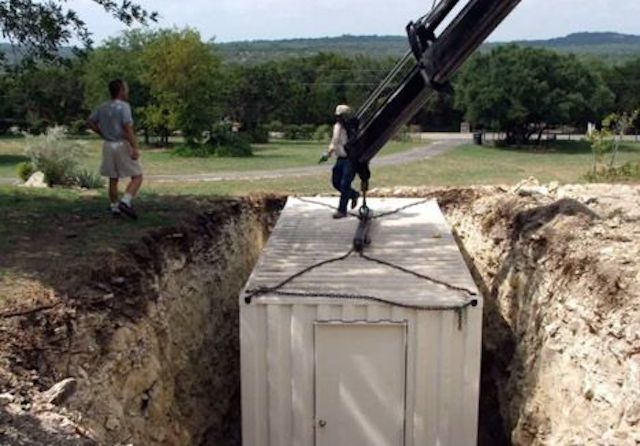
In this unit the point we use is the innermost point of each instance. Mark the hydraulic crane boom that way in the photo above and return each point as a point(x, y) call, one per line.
point(427, 68)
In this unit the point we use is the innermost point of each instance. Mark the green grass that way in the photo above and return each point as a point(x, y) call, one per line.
point(42, 232)
point(565, 162)
point(276, 155)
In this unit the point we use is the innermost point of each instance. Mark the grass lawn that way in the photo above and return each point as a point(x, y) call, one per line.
point(275, 155)
point(565, 162)
point(43, 231)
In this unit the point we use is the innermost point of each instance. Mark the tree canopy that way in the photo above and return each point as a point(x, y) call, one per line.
point(41, 28)
point(523, 91)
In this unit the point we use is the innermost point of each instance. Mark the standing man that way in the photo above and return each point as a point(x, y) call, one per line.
point(343, 171)
point(120, 153)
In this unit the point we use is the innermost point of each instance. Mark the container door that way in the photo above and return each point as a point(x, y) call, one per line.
point(360, 375)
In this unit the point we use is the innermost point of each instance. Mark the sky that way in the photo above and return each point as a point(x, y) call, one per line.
point(232, 20)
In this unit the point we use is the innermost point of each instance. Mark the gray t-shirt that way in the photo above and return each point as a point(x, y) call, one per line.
point(111, 117)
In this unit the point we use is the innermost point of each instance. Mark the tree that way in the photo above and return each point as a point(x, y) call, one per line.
point(46, 96)
point(41, 28)
point(624, 81)
point(120, 57)
point(523, 91)
point(185, 80)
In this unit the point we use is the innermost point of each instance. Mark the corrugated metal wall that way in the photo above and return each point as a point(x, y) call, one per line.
point(443, 371)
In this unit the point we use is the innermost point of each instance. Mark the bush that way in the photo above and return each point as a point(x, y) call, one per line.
point(628, 171)
point(222, 142)
point(323, 133)
point(25, 170)
point(88, 179)
point(276, 126)
point(53, 154)
point(259, 135)
point(78, 127)
point(299, 132)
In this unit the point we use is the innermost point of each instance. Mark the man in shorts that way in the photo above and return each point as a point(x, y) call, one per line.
point(120, 154)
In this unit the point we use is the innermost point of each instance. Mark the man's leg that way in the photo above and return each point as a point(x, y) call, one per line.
point(347, 192)
point(134, 186)
point(113, 195)
point(125, 204)
point(336, 176)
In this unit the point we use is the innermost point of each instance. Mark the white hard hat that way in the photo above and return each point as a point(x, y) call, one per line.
point(343, 110)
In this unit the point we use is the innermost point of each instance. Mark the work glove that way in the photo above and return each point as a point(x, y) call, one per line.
point(324, 158)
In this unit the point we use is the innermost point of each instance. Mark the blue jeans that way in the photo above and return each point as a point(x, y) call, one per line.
point(343, 175)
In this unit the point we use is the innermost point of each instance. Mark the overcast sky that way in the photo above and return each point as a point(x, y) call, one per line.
point(229, 20)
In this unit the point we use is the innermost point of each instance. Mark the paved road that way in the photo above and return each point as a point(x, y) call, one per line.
point(408, 156)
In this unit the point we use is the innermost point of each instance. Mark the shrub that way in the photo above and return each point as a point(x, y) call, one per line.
point(88, 179)
point(259, 135)
point(222, 142)
point(25, 170)
point(55, 155)
point(78, 127)
point(323, 133)
point(299, 132)
point(628, 171)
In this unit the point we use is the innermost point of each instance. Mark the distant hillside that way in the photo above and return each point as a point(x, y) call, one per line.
point(611, 47)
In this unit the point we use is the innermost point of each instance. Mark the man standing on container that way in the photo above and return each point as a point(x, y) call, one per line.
point(113, 121)
point(343, 171)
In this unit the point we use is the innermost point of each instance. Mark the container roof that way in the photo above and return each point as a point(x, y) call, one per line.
point(416, 238)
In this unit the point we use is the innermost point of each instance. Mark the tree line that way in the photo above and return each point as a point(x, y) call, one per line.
point(180, 83)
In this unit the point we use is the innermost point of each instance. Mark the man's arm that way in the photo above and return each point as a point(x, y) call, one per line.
point(130, 136)
point(335, 139)
point(92, 123)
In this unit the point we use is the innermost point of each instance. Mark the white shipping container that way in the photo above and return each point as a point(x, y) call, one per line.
point(324, 363)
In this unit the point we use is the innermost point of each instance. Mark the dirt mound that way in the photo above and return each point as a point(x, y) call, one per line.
point(560, 272)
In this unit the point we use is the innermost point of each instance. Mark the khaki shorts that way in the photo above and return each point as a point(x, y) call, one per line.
point(117, 162)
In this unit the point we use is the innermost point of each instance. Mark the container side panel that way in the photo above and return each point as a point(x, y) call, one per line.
point(302, 318)
point(458, 425)
point(445, 376)
point(329, 312)
point(378, 313)
point(428, 328)
point(473, 356)
point(279, 374)
point(253, 335)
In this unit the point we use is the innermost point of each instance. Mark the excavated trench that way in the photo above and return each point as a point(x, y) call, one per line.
point(153, 342)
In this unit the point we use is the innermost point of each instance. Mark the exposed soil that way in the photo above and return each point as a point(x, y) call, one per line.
point(150, 335)
point(559, 270)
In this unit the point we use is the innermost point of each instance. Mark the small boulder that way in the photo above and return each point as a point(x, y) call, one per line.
point(36, 180)
point(60, 392)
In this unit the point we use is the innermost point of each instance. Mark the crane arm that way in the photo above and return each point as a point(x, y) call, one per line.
point(426, 68)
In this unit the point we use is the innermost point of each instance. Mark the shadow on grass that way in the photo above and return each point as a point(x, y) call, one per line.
point(44, 233)
point(9, 160)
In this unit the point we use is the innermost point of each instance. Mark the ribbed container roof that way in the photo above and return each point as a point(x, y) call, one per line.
point(417, 238)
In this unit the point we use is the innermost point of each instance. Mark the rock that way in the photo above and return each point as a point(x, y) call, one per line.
point(6, 398)
point(60, 392)
point(37, 181)
point(112, 423)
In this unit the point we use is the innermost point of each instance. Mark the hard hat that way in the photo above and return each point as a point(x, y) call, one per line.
point(343, 110)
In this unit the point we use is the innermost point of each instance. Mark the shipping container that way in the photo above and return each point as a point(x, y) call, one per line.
point(375, 350)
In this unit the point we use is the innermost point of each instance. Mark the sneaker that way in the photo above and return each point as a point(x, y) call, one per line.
point(339, 214)
point(127, 210)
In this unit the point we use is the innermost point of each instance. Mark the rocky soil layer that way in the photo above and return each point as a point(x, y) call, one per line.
point(560, 270)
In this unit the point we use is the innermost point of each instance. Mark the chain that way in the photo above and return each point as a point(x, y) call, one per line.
point(472, 301)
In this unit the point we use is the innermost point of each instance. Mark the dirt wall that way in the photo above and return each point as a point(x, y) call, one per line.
point(151, 338)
